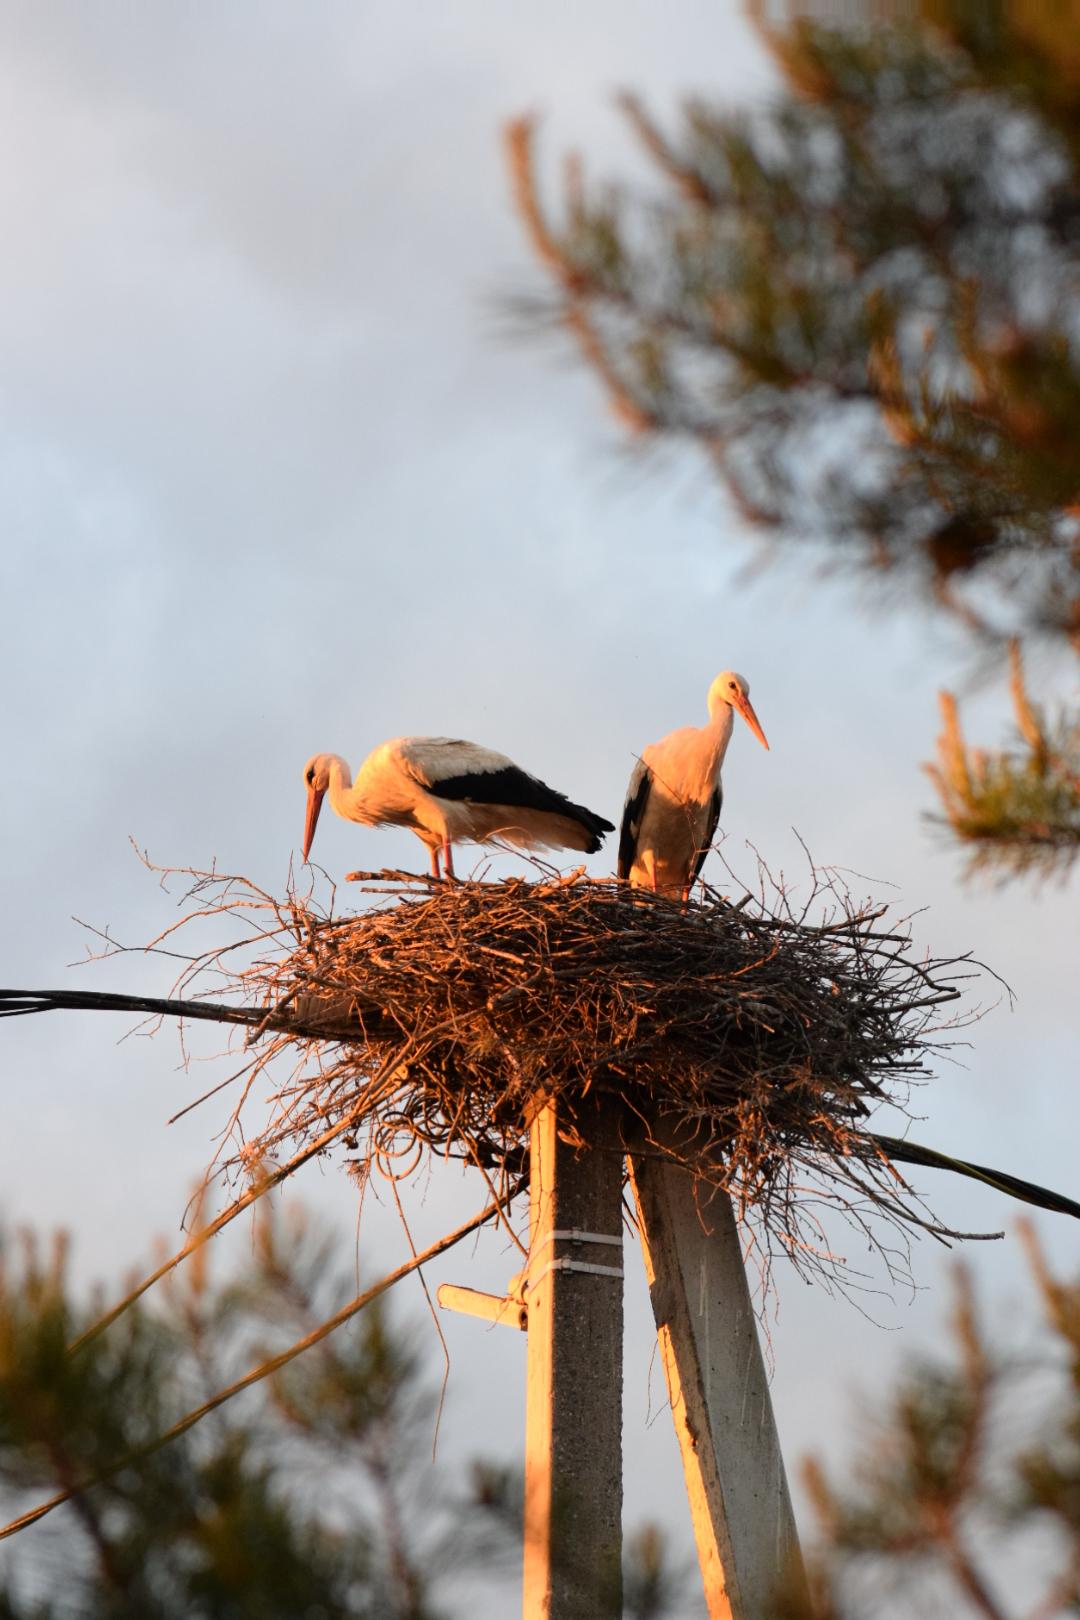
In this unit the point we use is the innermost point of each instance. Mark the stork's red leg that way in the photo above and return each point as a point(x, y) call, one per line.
point(435, 862)
point(448, 858)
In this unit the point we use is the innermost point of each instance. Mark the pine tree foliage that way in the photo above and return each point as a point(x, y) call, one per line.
point(966, 1497)
point(290, 1504)
point(312, 1495)
point(1019, 808)
point(862, 301)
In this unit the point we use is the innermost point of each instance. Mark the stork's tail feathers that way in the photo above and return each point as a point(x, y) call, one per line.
point(595, 826)
point(570, 826)
point(1027, 1191)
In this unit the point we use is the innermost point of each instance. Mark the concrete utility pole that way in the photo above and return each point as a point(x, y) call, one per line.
point(573, 1419)
point(571, 1307)
point(739, 1502)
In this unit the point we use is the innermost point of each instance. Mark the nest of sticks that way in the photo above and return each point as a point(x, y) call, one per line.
point(750, 1038)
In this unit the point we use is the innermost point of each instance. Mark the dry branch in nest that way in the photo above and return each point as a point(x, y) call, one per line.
point(756, 1037)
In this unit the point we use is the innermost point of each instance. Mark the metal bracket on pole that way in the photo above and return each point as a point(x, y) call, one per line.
point(568, 1263)
point(512, 1309)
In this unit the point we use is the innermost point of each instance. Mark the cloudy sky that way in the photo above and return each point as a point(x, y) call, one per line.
point(274, 478)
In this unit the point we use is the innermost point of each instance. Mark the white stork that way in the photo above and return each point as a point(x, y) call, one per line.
point(448, 791)
point(674, 797)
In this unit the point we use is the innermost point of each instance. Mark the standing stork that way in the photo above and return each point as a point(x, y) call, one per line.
point(447, 792)
point(674, 796)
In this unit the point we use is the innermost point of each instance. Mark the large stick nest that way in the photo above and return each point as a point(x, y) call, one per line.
point(756, 1036)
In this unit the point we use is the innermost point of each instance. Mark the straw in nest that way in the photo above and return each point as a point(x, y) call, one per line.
point(439, 1017)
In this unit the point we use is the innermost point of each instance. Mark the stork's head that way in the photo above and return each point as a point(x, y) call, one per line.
point(734, 690)
point(316, 780)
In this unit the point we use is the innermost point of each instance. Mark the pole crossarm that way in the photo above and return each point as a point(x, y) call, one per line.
point(503, 1310)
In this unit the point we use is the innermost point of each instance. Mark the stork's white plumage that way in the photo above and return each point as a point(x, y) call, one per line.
point(673, 801)
point(447, 792)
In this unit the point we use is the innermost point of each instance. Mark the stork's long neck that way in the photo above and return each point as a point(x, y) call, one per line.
point(344, 799)
point(719, 728)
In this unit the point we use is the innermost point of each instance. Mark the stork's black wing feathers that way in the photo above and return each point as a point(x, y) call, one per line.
point(709, 834)
point(510, 785)
point(1027, 1191)
point(633, 814)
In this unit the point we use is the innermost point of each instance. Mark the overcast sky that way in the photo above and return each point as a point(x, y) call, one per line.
point(274, 479)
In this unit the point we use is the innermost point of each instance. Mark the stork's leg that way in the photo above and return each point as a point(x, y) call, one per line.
point(434, 852)
point(648, 863)
point(448, 857)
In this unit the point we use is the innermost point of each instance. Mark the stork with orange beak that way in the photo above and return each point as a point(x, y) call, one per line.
point(448, 791)
point(673, 801)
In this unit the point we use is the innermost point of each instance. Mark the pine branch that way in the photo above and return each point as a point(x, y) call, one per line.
point(264, 1370)
point(1018, 808)
point(813, 263)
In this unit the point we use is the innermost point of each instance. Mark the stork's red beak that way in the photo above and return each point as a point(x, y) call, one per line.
point(314, 805)
point(746, 709)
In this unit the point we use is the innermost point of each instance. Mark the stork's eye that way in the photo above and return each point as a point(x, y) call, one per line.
point(732, 685)
point(311, 777)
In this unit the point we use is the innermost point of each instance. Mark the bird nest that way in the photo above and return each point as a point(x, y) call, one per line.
point(749, 1038)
